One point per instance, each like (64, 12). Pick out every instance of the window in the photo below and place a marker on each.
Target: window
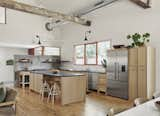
(92, 53)
(79, 54)
(2, 15)
(102, 50)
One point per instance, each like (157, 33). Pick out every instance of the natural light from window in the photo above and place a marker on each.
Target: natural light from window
(91, 53)
(79, 54)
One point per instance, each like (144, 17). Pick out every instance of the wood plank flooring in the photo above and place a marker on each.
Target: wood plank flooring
(30, 104)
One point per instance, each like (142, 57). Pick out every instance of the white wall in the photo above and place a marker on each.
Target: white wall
(21, 28)
(7, 72)
(115, 22)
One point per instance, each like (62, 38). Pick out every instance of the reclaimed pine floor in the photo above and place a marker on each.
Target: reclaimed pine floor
(30, 104)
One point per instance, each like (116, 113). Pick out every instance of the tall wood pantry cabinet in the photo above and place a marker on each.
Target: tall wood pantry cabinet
(141, 72)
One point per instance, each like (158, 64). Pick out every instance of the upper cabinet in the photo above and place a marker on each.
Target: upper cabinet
(54, 51)
(38, 51)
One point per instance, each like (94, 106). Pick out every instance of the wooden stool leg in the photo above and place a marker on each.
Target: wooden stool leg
(53, 99)
(49, 95)
(98, 91)
(42, 95)
(19, 81)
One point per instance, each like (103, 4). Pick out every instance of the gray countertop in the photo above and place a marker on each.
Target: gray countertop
(60, 74)
(82, 70)
(65, 69)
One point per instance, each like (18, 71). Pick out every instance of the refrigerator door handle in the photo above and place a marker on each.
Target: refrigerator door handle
(115, 71)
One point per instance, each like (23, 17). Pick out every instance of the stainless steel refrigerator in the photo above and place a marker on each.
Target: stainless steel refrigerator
(117, 73)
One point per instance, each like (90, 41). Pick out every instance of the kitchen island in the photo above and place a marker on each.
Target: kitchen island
(72, 85)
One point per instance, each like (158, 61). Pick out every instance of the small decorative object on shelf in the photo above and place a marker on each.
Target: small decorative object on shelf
(10, 62)
(139, 39)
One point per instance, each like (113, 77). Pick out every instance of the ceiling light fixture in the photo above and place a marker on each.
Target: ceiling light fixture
(86, 35)
(39, 40)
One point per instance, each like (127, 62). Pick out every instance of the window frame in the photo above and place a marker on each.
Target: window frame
(96, 42)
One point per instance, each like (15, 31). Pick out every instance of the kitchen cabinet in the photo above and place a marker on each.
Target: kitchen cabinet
(31, 85)
(42, 50)
(102, 83)
(81, 72)
(39, 51)
(73, 89)
(141, 72)
(52, 51)
(36, 82)
(132, 73)
(146, 72)
(94, 81)
(97, 79)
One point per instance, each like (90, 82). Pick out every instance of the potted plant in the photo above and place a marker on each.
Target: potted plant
(104, 63)
(139, 39)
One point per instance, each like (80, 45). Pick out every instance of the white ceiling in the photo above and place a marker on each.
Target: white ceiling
(62, 6)
(68, 6)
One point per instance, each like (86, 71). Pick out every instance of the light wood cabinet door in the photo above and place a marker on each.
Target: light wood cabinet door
(102, 83)
(133, 73)
(81, 88)
(38, 81)
(73, 89)
(68, 89)
(142, 72)
(31, 85)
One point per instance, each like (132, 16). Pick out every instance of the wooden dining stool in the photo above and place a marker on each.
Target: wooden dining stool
(54, 91)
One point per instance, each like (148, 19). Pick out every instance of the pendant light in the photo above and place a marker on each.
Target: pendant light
(39, 40)
(86, 35)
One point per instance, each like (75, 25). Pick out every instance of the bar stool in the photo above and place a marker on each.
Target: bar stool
(24, 79)
(53, 91)
(44, 89)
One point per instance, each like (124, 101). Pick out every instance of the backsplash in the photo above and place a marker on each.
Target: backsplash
(35, 62)
(71, 65)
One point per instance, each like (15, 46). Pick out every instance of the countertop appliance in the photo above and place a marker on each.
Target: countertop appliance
(117, 73)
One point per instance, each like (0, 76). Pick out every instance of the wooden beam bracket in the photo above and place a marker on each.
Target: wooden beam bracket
(11, 4)
(142, 4)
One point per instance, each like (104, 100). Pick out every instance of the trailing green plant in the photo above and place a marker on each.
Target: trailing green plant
(104, 63)
(139, 39)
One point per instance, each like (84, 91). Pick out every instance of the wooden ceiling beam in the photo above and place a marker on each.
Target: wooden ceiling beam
(11, 4)
(144, 5)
